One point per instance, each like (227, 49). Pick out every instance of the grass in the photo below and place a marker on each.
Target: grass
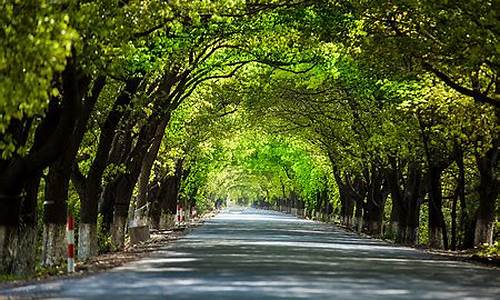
(490, 251)
(40, 272)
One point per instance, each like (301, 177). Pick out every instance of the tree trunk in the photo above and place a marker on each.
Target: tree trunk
(10, 211)
(377, 194)
(120, 151)
(57, 184)
(358, 217)
(154, 205)
(54, 244)
(143, 181)
(54, 213)
(488, 195)
(414, 197)
(126, 184)
(55, 208)
(438, 237)
(169, 191)
(106, 206)
(89, 200)
(465, 222)
(10, 200)
(398, 214)
(348, 213)
(124, 188)
(25, 262)
(346, 203)
(454, 221)
(87, 240)
(149, 159)
(410, 236)
(19, 176)
(26, 239)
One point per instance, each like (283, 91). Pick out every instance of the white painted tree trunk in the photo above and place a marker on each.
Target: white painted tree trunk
(187, 215)
(4, 241)
(25, 261)
(167, 221)
(140, 217)
(394, 228)
(483, 233)
(435, 238)
(87, 241)
(411, 235)
(118, 231)
(54, 244)
(359, 223)
(376, 228)
(8, 240)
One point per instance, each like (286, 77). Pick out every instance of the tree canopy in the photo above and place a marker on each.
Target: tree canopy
(381, 116)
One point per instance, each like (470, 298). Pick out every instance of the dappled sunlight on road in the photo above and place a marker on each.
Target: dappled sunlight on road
(254, 254)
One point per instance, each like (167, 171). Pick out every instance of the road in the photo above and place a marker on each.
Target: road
(256, 254)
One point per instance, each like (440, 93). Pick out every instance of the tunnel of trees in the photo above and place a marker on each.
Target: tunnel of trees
(381, 116)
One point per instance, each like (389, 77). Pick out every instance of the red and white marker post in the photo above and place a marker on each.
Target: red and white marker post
(70, 237)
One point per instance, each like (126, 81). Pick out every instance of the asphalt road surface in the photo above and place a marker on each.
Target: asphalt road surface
(256, 254)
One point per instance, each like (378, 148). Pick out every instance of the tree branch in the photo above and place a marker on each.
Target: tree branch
(457, 87)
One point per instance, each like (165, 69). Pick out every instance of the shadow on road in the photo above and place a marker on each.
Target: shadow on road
(254, 254)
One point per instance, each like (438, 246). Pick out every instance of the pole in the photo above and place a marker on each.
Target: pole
(70, 237)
